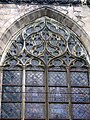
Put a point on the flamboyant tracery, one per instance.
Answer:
(46, 75)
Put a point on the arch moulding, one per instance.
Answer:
(30, 17)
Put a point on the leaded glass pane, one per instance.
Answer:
(11, 110)
(35, 94)
(81, 111)
(78, 67)
(80, 94)
(34, 111)
(11, 89)
(34, 78)
(24, 57)
(12, 97)
(11, 93)
(57, 94)
(57, 78)
(79, 79)
(12, 77)
(67, 58)
(58, 111)
(35, 67)
(57, 66)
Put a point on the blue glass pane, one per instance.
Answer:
(34, 111)
(11, 110)
(34, 78)
(11, 89)
(12, 77)
(79, 79)
(57, 78)
(58, 111)
(57, 94)
(67, 58)
(80, 95)
(29, 68)
(12, 97)
(57, 66)
(11, 93)
(81, 111)
(35, 94)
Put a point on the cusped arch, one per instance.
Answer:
(17, 27)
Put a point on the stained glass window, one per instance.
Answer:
(46, 75)
(81, 111)
(34, 78)
(81, 94)
(11, 110)
(35, 111)
(58, 94)
(35, 94)
(57, 78)
(58, 111)
(12, 96)
(79, 78)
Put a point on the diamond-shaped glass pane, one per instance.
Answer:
(35, 94)
(34, 111)
(79, 79)
(80, 95)
(11, 110)
(57, 78)
(12, 77)
(81, 111)
(57, 94)
(34, 78)
(11, 93)
(58, 111)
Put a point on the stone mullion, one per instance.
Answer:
(1, 78)
(46, 97)
(23, 94)
(89, 80)
(69, 94)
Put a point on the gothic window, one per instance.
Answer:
(46, 75)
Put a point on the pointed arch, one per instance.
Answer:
(51, 60)
(9, 35)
